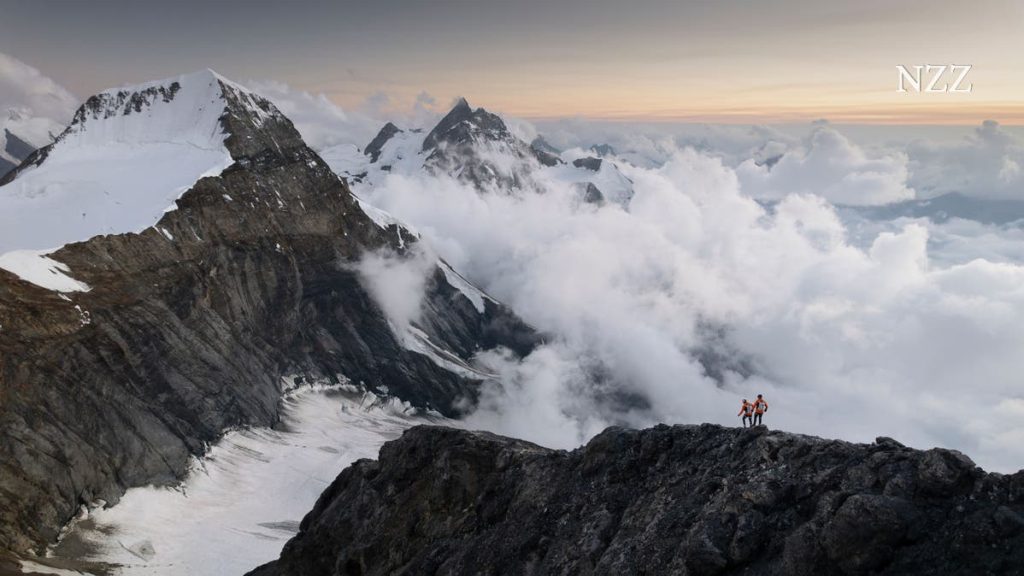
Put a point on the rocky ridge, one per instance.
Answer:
(667, 500)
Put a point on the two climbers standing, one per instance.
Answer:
(753, 411)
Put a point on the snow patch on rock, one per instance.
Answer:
(471, 292)
(36, 267)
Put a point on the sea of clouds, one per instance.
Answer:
(845, 341)
(754, 241)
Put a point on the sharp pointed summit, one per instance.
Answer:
(373, 149)
(463, 125)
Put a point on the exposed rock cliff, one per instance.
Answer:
(667, 500)
(373, 149)
(468, 142)
(191, 325)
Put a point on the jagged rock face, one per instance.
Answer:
(667, 500)
(463, 125)
(463, 142)
(373, 149)
(603, 149)
(190, 326)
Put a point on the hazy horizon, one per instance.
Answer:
(783, 61)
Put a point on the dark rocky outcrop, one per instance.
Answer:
(545, 158)
(375, 146)
(545, 153)
(460, 143)
(16, 147)
(693, 500)
(770, 161)
(588, 163)
(603, 149)
(191, 326)
(592, 194)
(5, 167)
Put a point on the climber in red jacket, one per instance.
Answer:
(747, 411)
(760, 407)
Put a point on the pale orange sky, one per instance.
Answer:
(712, 61)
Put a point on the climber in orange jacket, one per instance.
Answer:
(747, 411)
(760, 407)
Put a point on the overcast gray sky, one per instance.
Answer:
(731, 60)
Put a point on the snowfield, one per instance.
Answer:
(116, 169)
(113, 188)
(246, 497)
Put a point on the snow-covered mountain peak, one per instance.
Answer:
(186, 109)
(129, 153)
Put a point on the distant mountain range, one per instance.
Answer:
(952, 205)
(477, 148)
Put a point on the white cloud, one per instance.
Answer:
(857, 165)
(652, 144)
(24, 88)
(397, 283)
(850, 342)
(321, 123)
(909, 329)
(985, 164)
(32, 107)
(830, 166)
(328, 128)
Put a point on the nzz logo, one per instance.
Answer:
(933, 73)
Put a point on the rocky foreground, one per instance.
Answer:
(667, 500)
